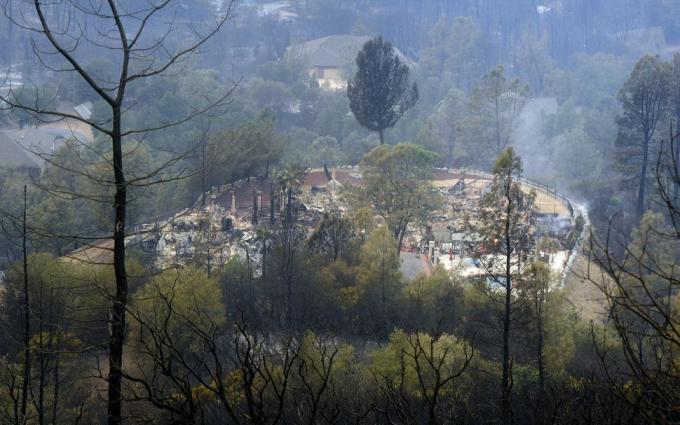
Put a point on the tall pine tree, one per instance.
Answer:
(643, 99)
(381, 91)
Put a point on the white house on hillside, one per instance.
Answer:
(328, 58)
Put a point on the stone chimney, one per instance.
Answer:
(233, 203)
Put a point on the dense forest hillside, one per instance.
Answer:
(334, 212)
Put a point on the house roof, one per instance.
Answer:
(334, 51)
(27, 148)
(14, 156)
(243, 190)
(100, 252)
(317, 177)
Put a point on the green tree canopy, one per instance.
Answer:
(505, 224)
(455, 48)
(396, 184)
(379, 279)
(176, 302)
(381, 91)
(643, 99)
(494, 107)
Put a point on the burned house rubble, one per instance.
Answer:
(450, 238)
(229, 221)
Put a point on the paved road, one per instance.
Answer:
(413, 264)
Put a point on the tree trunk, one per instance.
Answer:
(288, 273)
(399, 235)
(400, 243)
(384, 326)
(264, 259)
(381, 133)
(27, 320)
(56, 378)
(117, 320)
(506, 385)
(255, 212)
(289, 206)
(272, 205)
(449, 160)
(541, 364)
(499, 148)
(42, 363)
(203, 172)
(643, 178)
(675, 148)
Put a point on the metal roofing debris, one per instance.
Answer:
(84, 110)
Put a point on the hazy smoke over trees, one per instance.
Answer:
(332, 211)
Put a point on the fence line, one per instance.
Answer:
(548, 190)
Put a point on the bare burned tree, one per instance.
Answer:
(435, 364)
(193, 368)
(119, 30)
(534, 288)
(667, 173)
(11, 385)
(16, 228)
(505, 225)
(27, 314)
(641, 287)
(44, 392)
